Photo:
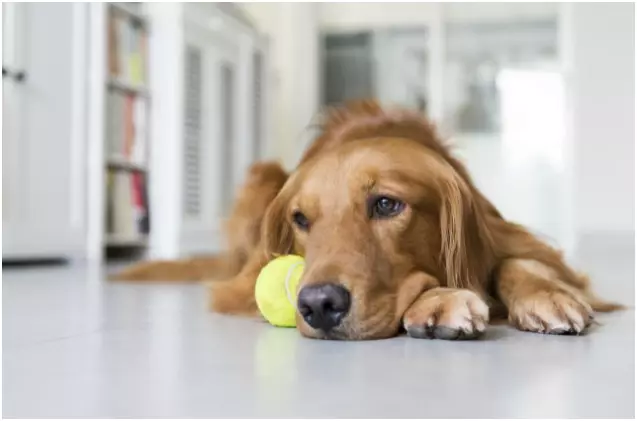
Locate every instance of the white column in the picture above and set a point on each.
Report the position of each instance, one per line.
(96, 82)
(166, 108)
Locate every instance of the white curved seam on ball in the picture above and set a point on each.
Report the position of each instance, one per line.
(287, 283)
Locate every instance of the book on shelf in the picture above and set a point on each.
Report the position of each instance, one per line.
(126, 134)
(127, 211)
(127, 52)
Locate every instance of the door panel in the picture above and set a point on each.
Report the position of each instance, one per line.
(37, 135)
(210, 118)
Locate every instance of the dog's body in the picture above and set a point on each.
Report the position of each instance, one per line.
(395, 236)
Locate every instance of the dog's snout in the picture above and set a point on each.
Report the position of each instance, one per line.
(323, 306)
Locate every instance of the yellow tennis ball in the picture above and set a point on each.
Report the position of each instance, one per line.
(275, 289)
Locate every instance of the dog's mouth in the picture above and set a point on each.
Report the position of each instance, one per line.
(339, 333)
(333, 336)
(374, 328)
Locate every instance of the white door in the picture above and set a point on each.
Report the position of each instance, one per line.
(12, 22)
(211, 117)
(496, 76)
(41, 193)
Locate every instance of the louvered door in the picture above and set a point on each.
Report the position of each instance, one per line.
(209, 135)
(193, 135)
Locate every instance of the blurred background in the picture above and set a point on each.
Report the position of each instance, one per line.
(127, 127)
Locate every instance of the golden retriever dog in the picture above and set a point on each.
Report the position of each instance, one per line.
(396, 238)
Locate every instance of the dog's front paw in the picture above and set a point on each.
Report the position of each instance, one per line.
(555, 311)
(444, 313)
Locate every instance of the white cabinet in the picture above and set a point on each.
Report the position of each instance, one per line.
(43, 140)
(207, 123)
(210, 133)
(220, 134)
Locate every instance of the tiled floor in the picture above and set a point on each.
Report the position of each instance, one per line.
(76, 346)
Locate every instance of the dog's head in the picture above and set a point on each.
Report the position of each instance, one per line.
(376, 202)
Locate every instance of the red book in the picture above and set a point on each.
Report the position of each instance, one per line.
(138, 201)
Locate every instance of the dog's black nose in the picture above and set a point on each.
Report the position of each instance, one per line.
(323, 306)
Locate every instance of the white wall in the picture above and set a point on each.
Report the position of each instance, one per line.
(493, 12)
(363, 15)
(603, 85)
(294, 97)
(353, 16)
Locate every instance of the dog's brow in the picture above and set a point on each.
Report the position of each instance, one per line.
(369, 185)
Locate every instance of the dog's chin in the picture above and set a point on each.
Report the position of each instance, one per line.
(352, 332)
(332, 335)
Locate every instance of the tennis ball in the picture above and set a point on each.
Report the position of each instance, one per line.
(275, 289)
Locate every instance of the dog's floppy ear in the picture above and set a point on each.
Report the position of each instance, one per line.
(276, 232)
(466, 243)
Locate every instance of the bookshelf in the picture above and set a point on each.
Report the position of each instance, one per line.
(126, 123)
(196, 95)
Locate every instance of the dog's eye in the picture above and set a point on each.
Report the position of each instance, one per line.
(384, 207)
(301, 221)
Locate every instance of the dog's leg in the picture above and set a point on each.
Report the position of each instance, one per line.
(447, 313)
(236, 295)
(193, 269)
(537, 299)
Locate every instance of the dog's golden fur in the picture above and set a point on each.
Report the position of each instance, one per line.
(434, 270)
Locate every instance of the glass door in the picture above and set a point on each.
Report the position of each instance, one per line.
(504, 108)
